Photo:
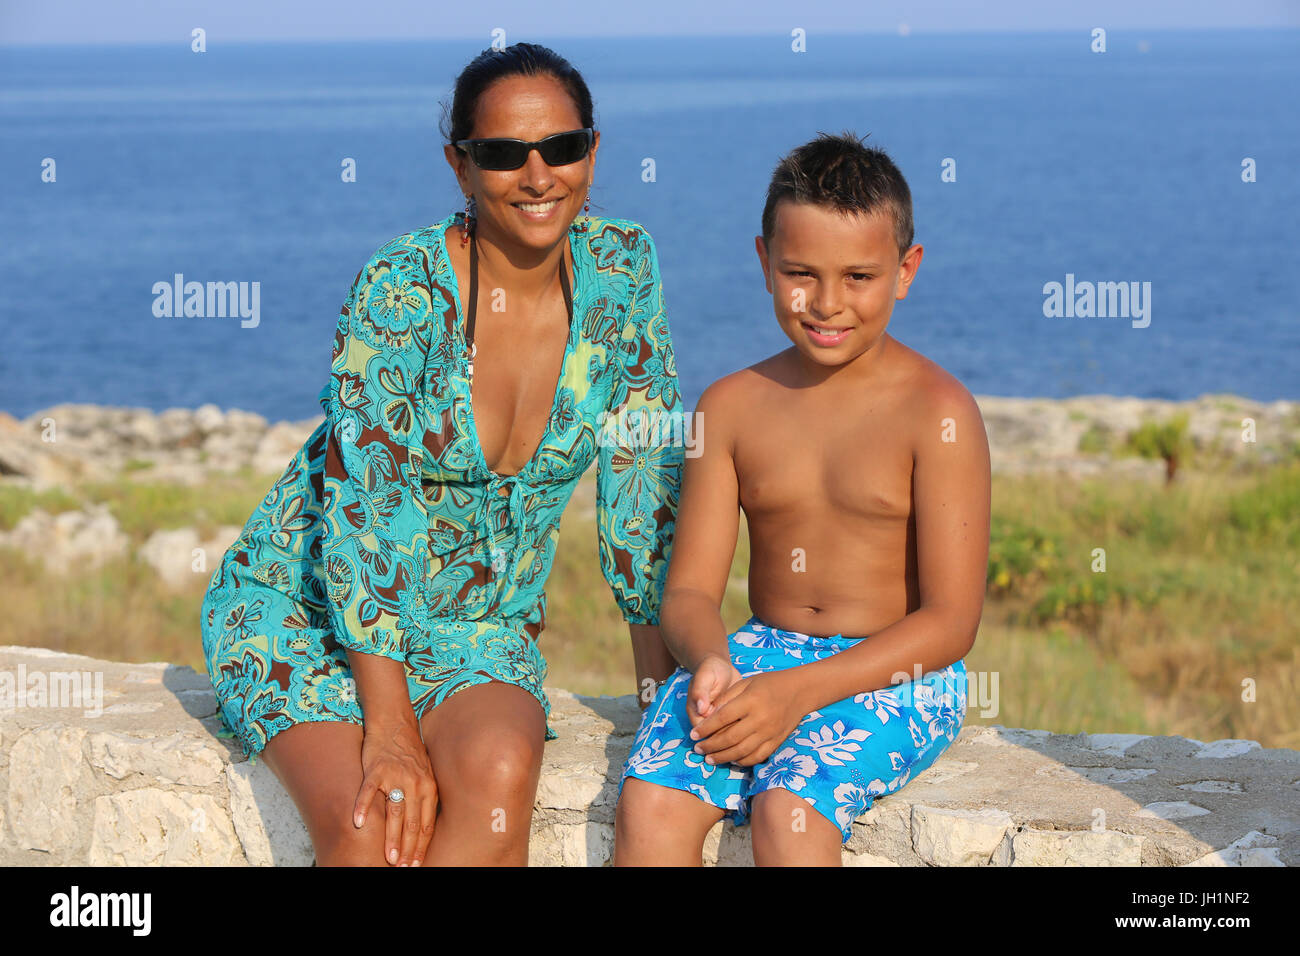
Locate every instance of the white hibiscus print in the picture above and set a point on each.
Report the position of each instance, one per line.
(935, 706)
(884, 703)
(730, 802)
(919, 737)
(852, 801)
(654, 756)
(696, 762)
(766, 638)
(788, 768)
(833, 744)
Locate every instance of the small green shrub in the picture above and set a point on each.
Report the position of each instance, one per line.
(1166, 440)
(1020, 558)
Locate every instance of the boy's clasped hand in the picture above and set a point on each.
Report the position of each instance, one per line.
(741, 720)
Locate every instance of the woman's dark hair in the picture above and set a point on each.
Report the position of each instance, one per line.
(518, 59)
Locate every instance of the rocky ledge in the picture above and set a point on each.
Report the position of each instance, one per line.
(107, 763)
(1081, 435)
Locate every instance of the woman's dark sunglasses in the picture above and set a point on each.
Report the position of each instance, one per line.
(560, 149)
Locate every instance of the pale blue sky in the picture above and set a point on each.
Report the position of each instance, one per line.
(154, 21)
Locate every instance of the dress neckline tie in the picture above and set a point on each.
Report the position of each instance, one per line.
(511, 492)
(510, 489)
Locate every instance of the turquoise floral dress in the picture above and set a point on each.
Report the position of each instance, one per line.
(388, 534)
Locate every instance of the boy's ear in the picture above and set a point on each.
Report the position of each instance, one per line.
(761, 247)
(907, 270)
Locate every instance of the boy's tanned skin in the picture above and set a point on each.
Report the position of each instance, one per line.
(863, 471)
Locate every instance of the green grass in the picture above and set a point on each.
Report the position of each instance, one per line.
(142, 507)
(16, 501)
(1198, 592)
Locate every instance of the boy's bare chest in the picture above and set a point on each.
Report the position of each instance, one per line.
(811, 462)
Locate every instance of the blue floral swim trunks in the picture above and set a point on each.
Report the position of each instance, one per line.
(839, 758)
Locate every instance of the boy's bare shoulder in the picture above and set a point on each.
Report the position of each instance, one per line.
(929, 389)
(738, 389)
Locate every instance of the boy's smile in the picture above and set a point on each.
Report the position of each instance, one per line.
(834, 278)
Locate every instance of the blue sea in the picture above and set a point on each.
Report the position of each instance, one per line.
(1123, 166)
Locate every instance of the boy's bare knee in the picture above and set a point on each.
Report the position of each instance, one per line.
(780, 811)
(788, 831)
(642, 803)
(644, 808)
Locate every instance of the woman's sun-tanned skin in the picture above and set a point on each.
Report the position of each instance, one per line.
(864, 520)
(473, 761)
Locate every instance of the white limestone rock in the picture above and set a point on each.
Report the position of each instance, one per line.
(277, 446)
(178, 759)
(71, 540)
(572, 844)
(152, 827)
(171, 554)
(950, 837)
(1227, 748)
(1114, 744)
(266, 819)
(1212, 786)
(570, 787)
(47, 774)
(1171, 810)
(1110, 775)
(1034, 847)
(1253, 849)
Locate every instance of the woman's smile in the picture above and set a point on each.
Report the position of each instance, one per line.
(538, 211)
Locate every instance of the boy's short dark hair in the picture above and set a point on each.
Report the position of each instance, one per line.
(840, 173)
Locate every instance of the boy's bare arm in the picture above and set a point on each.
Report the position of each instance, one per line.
(704, 541)
(951, 490)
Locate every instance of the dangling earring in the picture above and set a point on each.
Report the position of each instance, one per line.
(471, 207)
(586, 207)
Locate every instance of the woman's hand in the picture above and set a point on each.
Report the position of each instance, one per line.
(750, 720)
(713, 677)
(393, 756)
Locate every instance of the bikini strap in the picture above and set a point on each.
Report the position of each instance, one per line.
(564, 286)
(473, 290)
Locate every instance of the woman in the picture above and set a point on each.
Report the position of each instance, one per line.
(396, 569)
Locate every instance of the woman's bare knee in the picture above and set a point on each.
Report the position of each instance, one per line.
(319, 765)
(339, 842)
(486, 745)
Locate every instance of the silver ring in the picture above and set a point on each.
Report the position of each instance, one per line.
(395, 795)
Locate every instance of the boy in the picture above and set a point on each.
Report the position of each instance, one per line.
(863, 471)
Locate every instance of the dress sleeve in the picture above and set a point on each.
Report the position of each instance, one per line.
(641, 449)
(374, 538)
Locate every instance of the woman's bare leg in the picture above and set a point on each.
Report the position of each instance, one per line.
(660, 826)
(319, 764)
(485, 745)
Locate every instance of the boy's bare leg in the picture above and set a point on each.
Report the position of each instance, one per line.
(660, 826)
(789, 832)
